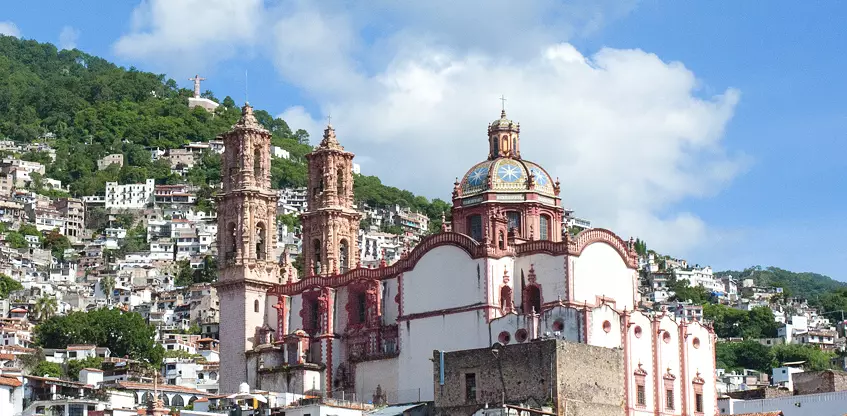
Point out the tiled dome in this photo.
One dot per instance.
(506, 175)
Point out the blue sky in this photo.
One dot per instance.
(744, 168)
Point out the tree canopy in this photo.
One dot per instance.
(730, 322)
(8, 285)
(124, 333)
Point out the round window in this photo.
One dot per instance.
(696, 342)
(504, 337)
(637, 331)
(666, 337)
(521, 335)
(558, 325)
(607, 326)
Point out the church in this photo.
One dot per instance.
(502, 271)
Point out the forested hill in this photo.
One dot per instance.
(818, 289)
(86, 107)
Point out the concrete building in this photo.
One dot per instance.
(73, 211)
(109, 160)
(130, 196)
(824, 404)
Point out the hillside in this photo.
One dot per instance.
(86, 107)
(818, 289)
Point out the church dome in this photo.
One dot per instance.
(507, 175)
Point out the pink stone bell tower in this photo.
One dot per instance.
(331, 225)
(246, 238)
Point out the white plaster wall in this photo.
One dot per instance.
(6, 401)
(641, 352)
(295, 322)
(825, 404)
(390, 308)
(597, 335)
(549, 273)
(418, 339)
(571, 319)
(669, 359)
(600, 271)
(370, 374)
(701, 360)
(444, 278)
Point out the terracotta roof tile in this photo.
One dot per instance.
(10, 381)
(776, 413)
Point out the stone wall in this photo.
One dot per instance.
(819, 382)
(760, 393)
(583, 379)
(590, 380)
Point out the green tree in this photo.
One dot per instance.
(685, 292)
(814, 358)
(74, 366)
(107, 285)
(56, 243)
(125, 334)
(16, 240)
(185, 274)
(8, 285)
(741, 355)
(48, 369)
(45, 307)
(29, 229)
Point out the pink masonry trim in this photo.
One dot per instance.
(656, 356)
(473, 248)
(683, 367)
(626, 361)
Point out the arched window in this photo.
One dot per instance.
(505, 145)
(192, 400)
(165, 399)
(339, 177)
(501, 240)
(213, 375)
(257, 164)
(233, 241)
(343, 256)
(475, 227)
(316, 261)
(256, 305)
(532, 303)
(261, 247)
(514, 221)
(506, 299)
(544, 227)
(145, 398)
(178, 401)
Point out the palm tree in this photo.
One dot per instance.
(107, 284)
(45, 307)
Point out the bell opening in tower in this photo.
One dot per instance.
(316, 246)
(514, 221)
(533, 300)
(343, 256)
(261, 251)
(257, 164)
(233, 242)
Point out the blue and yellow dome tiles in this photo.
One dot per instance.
(509, 175)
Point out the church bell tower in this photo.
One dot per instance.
(246, 239)
(331, 225)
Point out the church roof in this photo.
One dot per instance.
(509, 175)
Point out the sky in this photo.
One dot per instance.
(712, 130)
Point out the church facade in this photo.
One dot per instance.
(503, 271)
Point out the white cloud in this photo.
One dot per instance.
(191, 35)
(411, 87)
(9, 29)
(626, 132)
(68, 38)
